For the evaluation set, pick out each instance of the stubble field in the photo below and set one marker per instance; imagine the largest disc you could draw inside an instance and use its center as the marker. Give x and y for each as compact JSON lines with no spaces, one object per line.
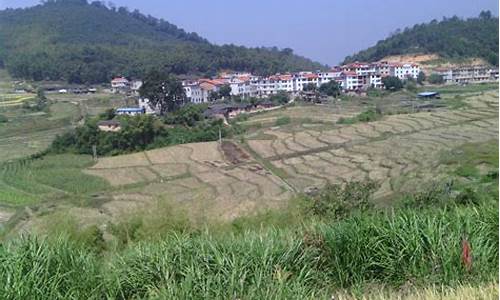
{"x":258,"y":171}
{"x":397,"y":151}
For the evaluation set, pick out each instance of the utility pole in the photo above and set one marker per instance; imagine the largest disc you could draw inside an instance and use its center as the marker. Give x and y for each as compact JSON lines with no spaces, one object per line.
{"x":94,"y":150}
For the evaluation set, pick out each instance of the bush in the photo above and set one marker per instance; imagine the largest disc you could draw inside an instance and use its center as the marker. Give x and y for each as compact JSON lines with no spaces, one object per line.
{"x":338,"y":201}
{"x":392,"y":83}
{"x":411,"y":86}
{"x":436,"y":79}
{"x":370,"y":115}
{"x":331,"y":88}
{"x":280,"y":98}
{"x":3,"y":119}
{"x":283,"y":121}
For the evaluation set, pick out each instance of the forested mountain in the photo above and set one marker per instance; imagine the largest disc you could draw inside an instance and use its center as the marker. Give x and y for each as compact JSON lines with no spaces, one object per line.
{"x":450,"y":38}
{"x":85,"y":42}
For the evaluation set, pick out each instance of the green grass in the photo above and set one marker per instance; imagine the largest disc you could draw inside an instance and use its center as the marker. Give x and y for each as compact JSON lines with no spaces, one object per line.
{"x":367,"y":116}
{"x":460,"y":89}
{"x":282,"y":121}
{"x":309,"y":262}
{"x":11,"y":196}
{"x":468,"y":158}
{"x":48,"y":178}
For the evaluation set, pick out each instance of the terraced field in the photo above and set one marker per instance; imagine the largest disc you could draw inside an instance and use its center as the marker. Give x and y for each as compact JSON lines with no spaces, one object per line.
{"x":330,"y":113}
{"x":262,"y":170}
{"x":397,"y":151}
{"x":203,"y":176}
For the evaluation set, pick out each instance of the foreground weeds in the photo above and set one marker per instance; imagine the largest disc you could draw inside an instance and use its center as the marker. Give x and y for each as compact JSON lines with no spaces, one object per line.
{"x":313,"y":261}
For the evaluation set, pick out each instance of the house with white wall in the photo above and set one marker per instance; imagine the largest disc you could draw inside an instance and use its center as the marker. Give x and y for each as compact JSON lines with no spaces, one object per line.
{"x":120,"y":84}
{"x":404,"y":70}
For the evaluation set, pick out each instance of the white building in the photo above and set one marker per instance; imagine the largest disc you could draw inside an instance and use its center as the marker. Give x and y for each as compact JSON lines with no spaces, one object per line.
{"x":352,"y":81}
{"x":405,"y":71}
{"x":466,"y":74}
{"x":375,"y":80}
{"x":120,"y":84}
{"x":305,"y":78}
{"x":146,"y":105}
{"x":135,"y":85}
{"x":197,"y":95}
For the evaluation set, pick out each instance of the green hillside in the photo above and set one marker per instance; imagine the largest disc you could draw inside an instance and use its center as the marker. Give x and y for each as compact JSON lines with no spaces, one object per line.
{"x":450,"y":38}
{"x":89,"y":42}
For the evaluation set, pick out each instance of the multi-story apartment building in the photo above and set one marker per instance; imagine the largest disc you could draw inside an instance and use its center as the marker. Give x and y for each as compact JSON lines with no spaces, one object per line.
{"x":466,"y":74}
{"x":242,"y":86}
{"x":305,"y":78}
{"x":404,"y":70}
{"x":382,"y":68}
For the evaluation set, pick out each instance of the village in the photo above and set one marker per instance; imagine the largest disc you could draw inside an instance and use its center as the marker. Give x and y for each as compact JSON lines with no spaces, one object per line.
{"x":353,"y":79}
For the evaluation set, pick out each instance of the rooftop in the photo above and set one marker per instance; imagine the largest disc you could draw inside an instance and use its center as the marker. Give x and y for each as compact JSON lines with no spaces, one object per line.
{"x":428,"y":94}
{"x":130,"y":109}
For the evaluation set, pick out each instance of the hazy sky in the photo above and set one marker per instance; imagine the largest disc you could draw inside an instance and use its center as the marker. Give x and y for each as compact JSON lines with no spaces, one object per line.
{"x":324,"y":30}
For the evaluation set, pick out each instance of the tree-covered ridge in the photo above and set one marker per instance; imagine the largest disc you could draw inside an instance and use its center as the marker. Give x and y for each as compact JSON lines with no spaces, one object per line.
{"x":451,"y":38}
{"x":90,"y":42}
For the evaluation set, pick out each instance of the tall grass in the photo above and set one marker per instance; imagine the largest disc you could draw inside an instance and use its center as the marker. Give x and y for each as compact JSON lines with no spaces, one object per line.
{"x":309,"y":262}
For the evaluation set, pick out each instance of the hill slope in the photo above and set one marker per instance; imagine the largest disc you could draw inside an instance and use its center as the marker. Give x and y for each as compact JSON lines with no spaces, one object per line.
{"x":81,"y":42}
{"x":450,"y":38}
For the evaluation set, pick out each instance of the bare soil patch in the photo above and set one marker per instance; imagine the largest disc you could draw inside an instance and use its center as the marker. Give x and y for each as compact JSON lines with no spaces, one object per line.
{"x":233,"y":153}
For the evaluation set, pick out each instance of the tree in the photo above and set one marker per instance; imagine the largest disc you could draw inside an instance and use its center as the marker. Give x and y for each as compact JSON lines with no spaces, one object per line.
{"x":421,"y":78}
{"x":309,"y":87}
{"x":280,"y":98}
{"x":225,"y":91}
{"x":213,"y":96}
{"x":436,"y":79}
{"x":331,"y":88}
{"x":411,"y":86}
{"x":392,"y":83}
{"x":41,"y":100}
{"x":450,"y":38}
{"x":163,"y":91}
{"x":187,"y":115}
{"x":104,"y":46}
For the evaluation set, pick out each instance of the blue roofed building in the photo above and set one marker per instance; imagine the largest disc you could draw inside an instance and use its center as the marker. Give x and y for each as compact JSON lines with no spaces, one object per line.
{"x":428,"y":95}
{"x":130,"y":111}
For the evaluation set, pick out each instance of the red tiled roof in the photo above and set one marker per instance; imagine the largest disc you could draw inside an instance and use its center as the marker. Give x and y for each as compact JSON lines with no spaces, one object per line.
{"x":244,"y":78}
{"x":215,"y":82}
{"x":310,"y":76}
{"x":207,"y":86}
{"x":349,"y":73}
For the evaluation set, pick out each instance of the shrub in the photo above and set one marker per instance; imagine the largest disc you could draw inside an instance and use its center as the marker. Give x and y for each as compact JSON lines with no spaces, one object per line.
{"x":280,"y":98}
{"x":3,"y":119}
{"x":392,"y":83}
{"x":338,"y":201}
{"x":370,"y":115}
{"x":436,"y":79}
{"x":283,"y":121}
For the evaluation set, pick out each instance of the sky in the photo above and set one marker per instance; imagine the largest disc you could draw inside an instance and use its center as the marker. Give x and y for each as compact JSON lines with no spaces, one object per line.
{"x":323,"y":30}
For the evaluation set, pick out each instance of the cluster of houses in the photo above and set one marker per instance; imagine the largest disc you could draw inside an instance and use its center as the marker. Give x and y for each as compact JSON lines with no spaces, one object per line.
{"x":351,"y":77}
{"x":468,"y":74}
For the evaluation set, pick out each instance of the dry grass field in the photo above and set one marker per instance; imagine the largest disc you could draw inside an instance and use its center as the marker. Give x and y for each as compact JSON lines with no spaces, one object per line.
{"x":397,"y":151}
{"x":200,"y":176}
{"x":264,"y":168}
